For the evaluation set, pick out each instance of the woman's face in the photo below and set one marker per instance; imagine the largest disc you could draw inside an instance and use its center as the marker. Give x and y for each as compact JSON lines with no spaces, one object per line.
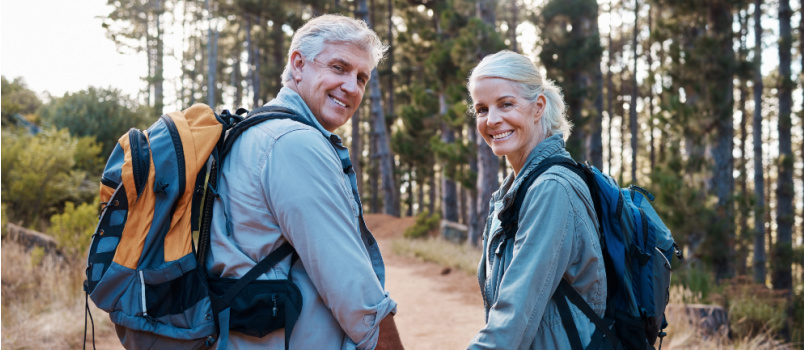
{"x":510,"y":124}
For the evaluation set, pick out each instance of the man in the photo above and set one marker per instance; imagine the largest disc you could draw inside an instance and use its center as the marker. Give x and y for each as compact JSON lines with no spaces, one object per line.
{"x":284,"y":181}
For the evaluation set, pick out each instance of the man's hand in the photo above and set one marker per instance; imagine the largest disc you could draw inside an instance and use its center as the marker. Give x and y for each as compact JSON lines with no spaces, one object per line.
{"x":389,"y":335}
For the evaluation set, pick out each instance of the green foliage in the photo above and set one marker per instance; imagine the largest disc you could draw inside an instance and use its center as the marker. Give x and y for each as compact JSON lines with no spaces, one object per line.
{"x":753,"y":308}
{"x":105,"y":114}
{"x":425,"y":223}
{"x":37,"y":255}
{"x":89,"y":157}
{"x":17,"y":98}
{"x":695,"y":278}
{"x":73,"y":228}
{"x":38,"y":173}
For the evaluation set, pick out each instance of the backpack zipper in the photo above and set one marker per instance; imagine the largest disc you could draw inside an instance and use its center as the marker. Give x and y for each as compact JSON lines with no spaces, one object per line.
{"x":142,"y":290}
{"x":179,"y":148}
{"x":140,"y":159}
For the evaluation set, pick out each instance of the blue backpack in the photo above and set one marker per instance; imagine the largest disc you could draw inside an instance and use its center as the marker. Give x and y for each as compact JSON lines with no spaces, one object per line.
{"x":143,"y":267}
{"x":637,"y":249}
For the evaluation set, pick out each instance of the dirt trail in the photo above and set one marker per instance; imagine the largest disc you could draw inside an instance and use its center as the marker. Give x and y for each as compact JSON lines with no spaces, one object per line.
{"x":435,"y":310}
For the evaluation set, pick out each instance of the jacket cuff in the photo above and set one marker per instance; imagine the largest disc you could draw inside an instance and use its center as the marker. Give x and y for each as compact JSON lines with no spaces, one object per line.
{"x":372,"y":322}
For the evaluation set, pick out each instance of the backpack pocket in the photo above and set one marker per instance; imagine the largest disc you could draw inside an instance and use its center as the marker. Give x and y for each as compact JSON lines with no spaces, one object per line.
{"x":261,"y":307}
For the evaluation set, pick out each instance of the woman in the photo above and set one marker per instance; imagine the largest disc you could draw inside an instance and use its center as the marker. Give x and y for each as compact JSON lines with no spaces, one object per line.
{"x":521,"y":116}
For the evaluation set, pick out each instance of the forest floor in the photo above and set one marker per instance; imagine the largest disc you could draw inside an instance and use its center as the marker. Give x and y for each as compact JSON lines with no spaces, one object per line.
{"x":437,"y":308}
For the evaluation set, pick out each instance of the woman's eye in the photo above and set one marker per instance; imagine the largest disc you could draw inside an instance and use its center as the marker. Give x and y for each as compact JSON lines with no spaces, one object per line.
{"x":482,"y":111}
{"x":507,"y":104}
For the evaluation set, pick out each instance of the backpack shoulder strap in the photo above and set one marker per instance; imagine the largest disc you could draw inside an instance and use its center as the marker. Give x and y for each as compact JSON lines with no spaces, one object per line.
{"x":510,"y":218}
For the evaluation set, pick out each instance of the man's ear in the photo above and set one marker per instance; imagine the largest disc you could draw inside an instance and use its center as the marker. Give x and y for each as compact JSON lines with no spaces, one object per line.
{"x":297,"y":65}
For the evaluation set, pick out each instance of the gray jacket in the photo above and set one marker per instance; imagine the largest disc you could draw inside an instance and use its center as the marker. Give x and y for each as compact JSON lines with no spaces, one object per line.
{"x":284,"y":181}
{"x":557,"y":238}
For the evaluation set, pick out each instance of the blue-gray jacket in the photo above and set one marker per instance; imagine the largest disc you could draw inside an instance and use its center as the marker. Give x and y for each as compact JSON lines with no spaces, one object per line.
{"x":283,"y":181}
{"x":557,"y":238}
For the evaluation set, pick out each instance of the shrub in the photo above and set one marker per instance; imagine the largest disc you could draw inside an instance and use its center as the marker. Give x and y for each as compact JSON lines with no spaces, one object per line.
{"x":72,"y":228}
{"x":753,"y":308}
{"x":38,"y":174}
{"x":425,"y":223}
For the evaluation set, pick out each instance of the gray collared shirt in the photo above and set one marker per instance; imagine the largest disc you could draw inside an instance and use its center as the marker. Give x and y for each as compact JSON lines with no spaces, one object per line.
{"x":284,"y":181}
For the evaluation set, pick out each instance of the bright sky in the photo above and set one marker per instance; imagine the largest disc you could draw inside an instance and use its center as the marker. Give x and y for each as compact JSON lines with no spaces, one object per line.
{"x":59,"y":46}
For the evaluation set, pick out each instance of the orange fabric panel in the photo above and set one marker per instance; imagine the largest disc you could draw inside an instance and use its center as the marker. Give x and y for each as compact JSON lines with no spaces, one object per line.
{"x":106,"y":193}
{"x":199,"y":131}
{"x":132,"y":240}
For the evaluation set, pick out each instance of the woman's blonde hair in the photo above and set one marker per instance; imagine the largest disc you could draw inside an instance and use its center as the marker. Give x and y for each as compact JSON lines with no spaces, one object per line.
{"x":325,"y":30}
{"x":520,"y":70}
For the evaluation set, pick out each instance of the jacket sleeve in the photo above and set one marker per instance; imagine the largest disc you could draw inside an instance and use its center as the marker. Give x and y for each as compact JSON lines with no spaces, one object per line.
{"x":542,"y":251}
{"x":304,"y":185}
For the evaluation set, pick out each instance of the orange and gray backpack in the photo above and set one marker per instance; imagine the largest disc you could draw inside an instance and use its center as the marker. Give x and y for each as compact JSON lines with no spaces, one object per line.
{"x":143,"y":268}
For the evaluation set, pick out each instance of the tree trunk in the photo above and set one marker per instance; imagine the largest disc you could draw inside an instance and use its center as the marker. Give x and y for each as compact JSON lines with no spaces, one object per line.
{"x":610,"y":96}
{"x":357,"y":152}
{"x":475,"y":222}
{"x":158,"y":77}
{"x":651,"y":82}
{"x":449,"y":191}
{"x":633,"y":102}
{"x":759,"y":177}
{"x":722,"y":103}
{"x":212,"y":35}
{"x":279,"y":52}
{"x":596,"y":139}
{"x":783,"y":251}
{"x":512,"y":26}
{"x":386,"y":158}
{"x":742,"y":261}
{"x":237,"y":75}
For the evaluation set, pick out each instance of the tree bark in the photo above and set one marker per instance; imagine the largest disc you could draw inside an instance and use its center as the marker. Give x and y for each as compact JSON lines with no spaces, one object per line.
{"x":158,"y":77}
{"x":759,"y":177}
{"x":633,"y":102}
{"x":449,"y":191}
{"x":475,"y":222}
{"x":742,"y":261}
{"x":596,"y":138}
{"x":357,"y":152}
{"x":386,"y":158}
{"x":722,"y":103}
{"x":783,"y":251}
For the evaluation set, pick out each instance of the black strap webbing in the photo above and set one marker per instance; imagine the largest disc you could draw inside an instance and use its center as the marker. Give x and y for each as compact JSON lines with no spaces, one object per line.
{"x":566,"y":318}
{"x":510,"y":218}
{"x":602,"y":326}
{"x":262,"y":267}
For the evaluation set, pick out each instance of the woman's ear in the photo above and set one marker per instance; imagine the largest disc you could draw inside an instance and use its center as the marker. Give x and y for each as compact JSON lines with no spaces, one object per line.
{"x":541,"y":104}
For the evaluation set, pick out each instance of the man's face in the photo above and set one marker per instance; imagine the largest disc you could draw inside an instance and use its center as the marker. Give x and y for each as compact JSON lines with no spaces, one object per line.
{"x":332,"y":84}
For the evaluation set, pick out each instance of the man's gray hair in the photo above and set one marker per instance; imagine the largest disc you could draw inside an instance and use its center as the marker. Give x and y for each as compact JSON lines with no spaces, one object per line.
{"x":312,"y":37}
{"x":520,"y":70}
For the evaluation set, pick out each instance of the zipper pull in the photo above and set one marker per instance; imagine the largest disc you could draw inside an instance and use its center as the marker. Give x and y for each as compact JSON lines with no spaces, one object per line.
{"x":273,"y":298}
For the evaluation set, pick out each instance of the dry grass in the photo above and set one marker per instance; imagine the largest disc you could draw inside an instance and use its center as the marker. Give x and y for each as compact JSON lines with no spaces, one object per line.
{"x":439,"y":251}
{"x":43,"y":302}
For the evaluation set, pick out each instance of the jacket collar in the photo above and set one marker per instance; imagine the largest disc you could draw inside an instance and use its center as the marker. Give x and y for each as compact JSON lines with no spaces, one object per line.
{"x":551,"y":146}
{"x":290,"y":99}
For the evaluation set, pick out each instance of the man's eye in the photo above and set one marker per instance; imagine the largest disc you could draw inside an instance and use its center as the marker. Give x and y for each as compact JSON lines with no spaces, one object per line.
{"x":338,"y":68}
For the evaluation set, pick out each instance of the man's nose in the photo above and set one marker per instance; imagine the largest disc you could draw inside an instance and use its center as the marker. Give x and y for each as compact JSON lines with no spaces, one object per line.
{"x":350,"y":85}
